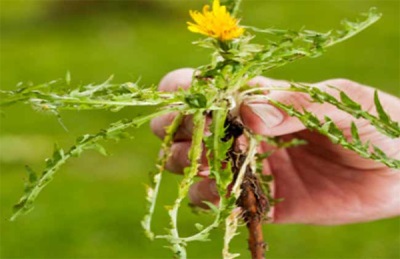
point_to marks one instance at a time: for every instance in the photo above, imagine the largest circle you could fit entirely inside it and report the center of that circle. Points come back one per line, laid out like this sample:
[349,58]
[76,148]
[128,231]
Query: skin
[321,183]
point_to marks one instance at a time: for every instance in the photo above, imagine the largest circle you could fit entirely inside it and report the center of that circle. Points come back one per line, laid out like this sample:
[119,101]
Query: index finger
[180,78]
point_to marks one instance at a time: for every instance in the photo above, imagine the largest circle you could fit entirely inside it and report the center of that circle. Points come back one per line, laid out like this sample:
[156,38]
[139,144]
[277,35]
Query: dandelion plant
[217,90]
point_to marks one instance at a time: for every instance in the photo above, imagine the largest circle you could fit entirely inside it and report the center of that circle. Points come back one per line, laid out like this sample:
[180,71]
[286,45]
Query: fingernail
[268,114]
[204,173]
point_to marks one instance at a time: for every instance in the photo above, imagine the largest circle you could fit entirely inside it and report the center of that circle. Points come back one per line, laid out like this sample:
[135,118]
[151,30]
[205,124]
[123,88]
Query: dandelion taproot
[216,23]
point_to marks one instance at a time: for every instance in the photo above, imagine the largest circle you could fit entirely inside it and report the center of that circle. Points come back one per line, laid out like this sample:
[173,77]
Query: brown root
[252,200]
[254,205]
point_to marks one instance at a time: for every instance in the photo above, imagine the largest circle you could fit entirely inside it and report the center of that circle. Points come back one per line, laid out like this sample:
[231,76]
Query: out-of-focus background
[94,206]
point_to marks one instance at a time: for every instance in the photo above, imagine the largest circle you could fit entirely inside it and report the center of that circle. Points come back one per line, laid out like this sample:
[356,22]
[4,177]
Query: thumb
[266,119]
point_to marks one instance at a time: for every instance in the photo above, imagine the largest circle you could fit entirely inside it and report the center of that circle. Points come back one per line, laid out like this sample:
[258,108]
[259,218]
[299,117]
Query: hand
[321,183]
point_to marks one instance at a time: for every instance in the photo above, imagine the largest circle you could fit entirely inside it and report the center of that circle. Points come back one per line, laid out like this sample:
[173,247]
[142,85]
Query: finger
[184,131]
[180,78]
[260,116]
[179,158]
[204,190]
[265,82]
[264,118]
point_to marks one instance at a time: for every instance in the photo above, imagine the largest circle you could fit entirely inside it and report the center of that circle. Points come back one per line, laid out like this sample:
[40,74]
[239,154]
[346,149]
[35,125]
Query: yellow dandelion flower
[217,23]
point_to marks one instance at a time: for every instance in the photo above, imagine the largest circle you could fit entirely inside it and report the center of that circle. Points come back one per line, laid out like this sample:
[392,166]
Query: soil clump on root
[252,200]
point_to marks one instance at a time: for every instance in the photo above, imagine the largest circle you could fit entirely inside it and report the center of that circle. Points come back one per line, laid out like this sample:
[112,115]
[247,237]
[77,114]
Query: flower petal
[217,23]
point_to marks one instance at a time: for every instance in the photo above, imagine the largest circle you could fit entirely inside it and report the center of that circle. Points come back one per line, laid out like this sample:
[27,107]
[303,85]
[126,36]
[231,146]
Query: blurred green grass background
[94,206]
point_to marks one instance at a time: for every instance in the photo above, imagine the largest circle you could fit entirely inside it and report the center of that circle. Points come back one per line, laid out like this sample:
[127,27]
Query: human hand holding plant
[321,183]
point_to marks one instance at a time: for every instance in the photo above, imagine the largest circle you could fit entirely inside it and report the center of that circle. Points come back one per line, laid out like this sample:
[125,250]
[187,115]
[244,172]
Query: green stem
[231,224]
[152,192]
[252,150]
[178,246]
[59,158]
[389,127]
[132,102]
[218,131]
[310,121]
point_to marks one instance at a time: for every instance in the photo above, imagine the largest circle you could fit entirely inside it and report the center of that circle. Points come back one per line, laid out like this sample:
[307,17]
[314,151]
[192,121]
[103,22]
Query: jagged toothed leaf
[199,226]
[213,93]
[333,132]
[212,207]
[277,142]
[194,155]
[231,225]
[383,122]
[100,148]
[225,178]
[29,185]
[383,157]
[60,156]
[354,133]
[381,112]
[333,129]
[32,175]
[196,100]
[262,156]
[310,118]
[286,46]
[149,193]
[57,95]
[347,101]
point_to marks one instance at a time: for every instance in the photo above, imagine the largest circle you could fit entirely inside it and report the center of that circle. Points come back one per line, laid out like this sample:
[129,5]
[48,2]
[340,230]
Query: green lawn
[94,206]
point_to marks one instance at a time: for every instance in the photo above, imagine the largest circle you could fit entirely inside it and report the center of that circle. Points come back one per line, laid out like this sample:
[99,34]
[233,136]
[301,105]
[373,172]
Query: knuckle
[258,81]
[158,124]
[178,78]
[154,126]
[179,157]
